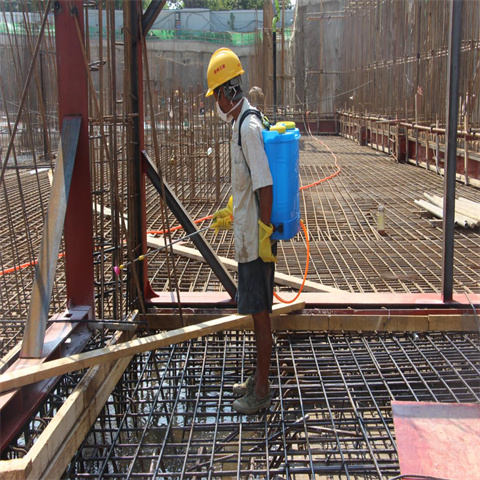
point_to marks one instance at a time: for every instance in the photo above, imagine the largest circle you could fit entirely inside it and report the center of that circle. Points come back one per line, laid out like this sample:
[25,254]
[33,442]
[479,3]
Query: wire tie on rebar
[474,311]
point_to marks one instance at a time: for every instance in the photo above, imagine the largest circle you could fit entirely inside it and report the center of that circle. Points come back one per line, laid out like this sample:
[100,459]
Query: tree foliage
[225,5]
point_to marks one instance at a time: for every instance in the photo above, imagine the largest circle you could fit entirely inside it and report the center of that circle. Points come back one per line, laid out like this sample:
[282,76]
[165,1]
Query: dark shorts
[255,287]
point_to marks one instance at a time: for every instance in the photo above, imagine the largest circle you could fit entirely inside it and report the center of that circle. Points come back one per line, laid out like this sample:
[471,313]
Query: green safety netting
[21,29]
[224,38]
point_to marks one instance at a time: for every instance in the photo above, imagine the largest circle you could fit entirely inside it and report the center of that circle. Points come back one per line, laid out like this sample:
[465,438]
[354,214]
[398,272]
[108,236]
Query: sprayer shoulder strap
[257,113]
[250,111]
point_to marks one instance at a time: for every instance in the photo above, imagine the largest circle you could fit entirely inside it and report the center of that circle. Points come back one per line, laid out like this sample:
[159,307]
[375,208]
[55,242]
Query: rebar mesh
[171,416]
[31,431]
[346,250]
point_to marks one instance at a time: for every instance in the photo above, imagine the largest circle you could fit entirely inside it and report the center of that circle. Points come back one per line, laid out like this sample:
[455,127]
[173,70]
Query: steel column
[453,81]
[73,100]
[133,99]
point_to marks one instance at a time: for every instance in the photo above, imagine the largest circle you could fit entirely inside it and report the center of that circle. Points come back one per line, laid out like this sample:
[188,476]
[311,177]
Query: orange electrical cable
[179,227]
[24,265]
[173,229]
[306,269]
[18,267]
[152,232]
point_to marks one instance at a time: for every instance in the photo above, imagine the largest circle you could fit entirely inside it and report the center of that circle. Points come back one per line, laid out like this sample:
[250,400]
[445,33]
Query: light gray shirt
[250,171]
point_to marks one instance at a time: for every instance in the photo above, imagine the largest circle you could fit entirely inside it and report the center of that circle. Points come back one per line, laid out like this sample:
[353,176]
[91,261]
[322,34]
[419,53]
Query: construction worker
[249,210]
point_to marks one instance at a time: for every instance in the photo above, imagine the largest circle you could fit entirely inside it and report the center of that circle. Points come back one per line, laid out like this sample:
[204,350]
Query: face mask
[227,117]
[222,114]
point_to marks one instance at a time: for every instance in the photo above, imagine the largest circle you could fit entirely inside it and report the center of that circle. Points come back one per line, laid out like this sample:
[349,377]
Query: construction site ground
[346,250]
[170,415]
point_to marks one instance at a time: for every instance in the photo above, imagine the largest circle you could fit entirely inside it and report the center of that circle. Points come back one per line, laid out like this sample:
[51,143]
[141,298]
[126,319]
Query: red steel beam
[17,406]
[432,302]
[73,100]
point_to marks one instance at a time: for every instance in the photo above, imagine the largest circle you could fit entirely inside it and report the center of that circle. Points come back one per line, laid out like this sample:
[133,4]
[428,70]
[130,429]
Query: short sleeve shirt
[250,171]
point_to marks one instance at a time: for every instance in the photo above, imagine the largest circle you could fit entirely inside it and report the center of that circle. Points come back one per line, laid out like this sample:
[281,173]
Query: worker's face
[222,114]
[217,95]
[225,107]
[220,99]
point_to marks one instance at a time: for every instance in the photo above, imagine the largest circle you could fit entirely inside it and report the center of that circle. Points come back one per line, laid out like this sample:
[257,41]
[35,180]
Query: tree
[194,4]
[224,5]
[235,4]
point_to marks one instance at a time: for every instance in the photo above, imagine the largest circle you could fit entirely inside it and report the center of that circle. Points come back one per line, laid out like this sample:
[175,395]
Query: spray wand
[118,268]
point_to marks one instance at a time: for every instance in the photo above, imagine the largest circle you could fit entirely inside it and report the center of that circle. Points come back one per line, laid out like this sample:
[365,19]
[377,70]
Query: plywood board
[440,440]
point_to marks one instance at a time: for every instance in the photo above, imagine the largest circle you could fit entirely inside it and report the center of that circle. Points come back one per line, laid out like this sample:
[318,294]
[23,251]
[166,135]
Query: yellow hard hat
[223,66]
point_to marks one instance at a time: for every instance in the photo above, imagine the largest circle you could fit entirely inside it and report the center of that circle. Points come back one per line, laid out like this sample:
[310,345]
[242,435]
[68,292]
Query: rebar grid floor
[346,250]
[171,414]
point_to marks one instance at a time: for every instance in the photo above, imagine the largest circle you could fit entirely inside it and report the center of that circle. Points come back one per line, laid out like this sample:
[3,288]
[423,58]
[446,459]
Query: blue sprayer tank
[283,152]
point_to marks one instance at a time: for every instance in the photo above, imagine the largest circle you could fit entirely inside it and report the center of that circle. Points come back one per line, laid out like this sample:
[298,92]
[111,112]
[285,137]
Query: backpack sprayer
[281,143]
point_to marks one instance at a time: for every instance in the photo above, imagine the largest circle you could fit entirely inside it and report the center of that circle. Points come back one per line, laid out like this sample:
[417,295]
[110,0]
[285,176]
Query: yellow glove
[224,217]
[264,242]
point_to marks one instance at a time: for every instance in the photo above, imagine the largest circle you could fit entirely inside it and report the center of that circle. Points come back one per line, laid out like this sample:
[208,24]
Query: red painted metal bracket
[17,406]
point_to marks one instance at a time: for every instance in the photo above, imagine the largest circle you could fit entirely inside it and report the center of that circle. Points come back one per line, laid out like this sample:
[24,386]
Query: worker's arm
[265,196]
[265,228]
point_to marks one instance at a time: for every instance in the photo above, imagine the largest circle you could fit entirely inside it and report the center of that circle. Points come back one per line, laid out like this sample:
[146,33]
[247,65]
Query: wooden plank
[301,323]
[329,322]
[10,357]
[76,436]
[88,359]
[15,469]
[452,323]
[57,445]
[280,278]
[353,323]
[383,323]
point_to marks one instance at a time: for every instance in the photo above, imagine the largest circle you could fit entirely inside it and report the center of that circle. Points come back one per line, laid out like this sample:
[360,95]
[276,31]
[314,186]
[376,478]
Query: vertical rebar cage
[190,149]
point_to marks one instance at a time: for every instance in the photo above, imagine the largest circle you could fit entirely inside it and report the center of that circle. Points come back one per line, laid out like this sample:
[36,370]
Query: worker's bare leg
[263,341]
